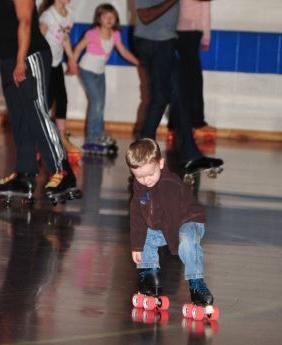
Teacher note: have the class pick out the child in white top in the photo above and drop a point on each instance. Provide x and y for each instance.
(99, 43)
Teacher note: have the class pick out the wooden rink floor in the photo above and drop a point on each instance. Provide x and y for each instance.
(66, 275)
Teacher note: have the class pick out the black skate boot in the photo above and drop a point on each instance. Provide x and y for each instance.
(212, 166)
(17, 185)
(200, 294)
(149, 281)
(62, 186)
(202, 163)
(149, 289)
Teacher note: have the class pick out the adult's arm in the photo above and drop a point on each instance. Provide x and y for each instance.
(149, 14)
(24, 9)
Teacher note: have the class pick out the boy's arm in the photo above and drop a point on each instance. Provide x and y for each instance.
(149, 14)
(138, 227)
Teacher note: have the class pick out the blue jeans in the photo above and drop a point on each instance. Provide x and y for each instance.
(95, 87)
(190, 251)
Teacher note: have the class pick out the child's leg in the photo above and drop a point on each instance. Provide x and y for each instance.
(190, 250)
(191, 254)
(150, 256)
(148, 269)
(95, 89)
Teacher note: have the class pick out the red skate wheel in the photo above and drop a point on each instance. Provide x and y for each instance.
(149, 316)
(187, 310)
(137, 315)
(214, 315)
(164, 303)
(137, 300)
(149, 303)
(198, 313)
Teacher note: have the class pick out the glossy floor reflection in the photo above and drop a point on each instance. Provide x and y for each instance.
(66, 275)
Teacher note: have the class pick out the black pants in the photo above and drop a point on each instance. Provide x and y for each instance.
(188, 46)
(57, 92)
(27, 107)
(162, 68)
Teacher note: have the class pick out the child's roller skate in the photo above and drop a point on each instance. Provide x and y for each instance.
(202, 302)
(104, 146)
(62, 187)
(17, 186)
(148, 296)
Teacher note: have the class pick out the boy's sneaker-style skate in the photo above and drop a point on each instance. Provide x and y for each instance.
(212, 166)
(202, 302)
(62, 187)
(148, 296)
(17, 186)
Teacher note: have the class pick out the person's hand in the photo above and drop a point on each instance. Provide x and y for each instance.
(19, 73)
(72, 68)
(136, 257)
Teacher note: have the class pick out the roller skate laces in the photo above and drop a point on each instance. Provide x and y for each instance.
(56, 179)
(200, 294)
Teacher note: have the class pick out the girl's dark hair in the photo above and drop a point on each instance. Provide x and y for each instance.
(45, 4)
(104, 8)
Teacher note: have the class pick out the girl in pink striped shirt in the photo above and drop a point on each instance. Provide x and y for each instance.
(99, 43)
(193, 34)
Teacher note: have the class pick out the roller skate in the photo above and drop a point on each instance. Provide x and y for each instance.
(104, 146)
(202, 302)
(62, 187)
(193, 168)
(73, 152)
(148, 296)
(17, 186)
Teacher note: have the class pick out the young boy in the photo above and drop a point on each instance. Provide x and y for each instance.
(163, 212)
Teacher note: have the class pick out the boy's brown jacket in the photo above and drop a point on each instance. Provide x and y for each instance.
(166, 206)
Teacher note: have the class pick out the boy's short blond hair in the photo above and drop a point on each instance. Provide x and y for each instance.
(141, 152)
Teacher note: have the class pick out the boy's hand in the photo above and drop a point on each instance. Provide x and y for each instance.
(136, 257)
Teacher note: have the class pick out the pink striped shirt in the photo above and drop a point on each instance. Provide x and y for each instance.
(194, 15)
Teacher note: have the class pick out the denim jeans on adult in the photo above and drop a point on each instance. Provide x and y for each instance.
(190, 251)
(95, 86)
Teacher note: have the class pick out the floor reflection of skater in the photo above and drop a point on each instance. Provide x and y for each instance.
(25, 70)
(39, 241)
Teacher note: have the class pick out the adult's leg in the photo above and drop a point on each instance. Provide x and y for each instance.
(42, 128)
(157, 58)
(94, 85)
(189, 53)
(181, 118)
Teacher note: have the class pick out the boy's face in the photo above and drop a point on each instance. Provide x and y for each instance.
(149, 174)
